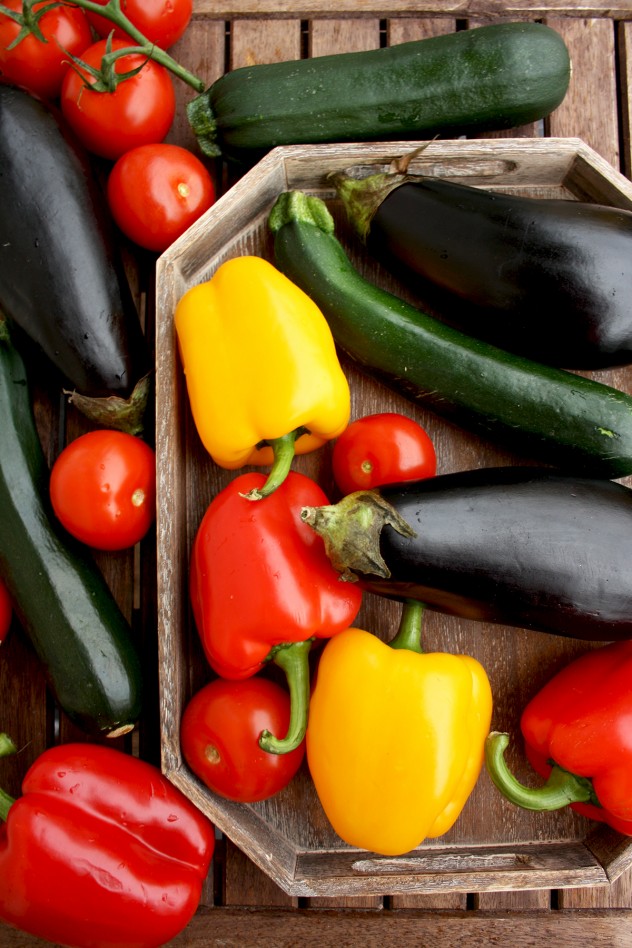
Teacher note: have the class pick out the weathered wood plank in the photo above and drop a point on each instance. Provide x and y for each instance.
(484, 9)
(589, 110)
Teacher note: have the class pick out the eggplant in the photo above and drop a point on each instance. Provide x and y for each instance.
(520, 546)
(546, 279)
(62, 280)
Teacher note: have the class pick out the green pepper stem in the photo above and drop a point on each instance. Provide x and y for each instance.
(561, 788)
(112, 11)
(283, 449)
(293, 659)
(408, 635)
(6, 802)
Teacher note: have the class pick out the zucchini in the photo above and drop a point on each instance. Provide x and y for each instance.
(63, 603)
(524, 547)
(548, 279)
(551, 415)
(492, 77)
(61, 274)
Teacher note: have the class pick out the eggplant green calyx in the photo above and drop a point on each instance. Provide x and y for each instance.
(351, 532)
(7, 747)
(283, 450)
(296, 206)
(561, 789)
(293, 658)
(362, 197)
(113, 411)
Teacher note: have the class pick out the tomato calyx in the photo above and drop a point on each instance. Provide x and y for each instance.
(28, 20)
(106, 79)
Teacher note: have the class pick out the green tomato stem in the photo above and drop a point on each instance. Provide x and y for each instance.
(112, 11)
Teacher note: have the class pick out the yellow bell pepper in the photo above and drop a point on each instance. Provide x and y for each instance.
(396, 737)
(262, 372)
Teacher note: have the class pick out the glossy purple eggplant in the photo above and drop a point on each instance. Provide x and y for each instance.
(61, 275)
(547, 279)
(519, 546)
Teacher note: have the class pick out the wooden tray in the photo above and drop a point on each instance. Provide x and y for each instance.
(493, 845)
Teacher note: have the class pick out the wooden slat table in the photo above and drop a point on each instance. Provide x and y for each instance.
(241, 906)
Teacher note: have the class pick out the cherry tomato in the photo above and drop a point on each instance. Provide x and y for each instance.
(40, 67)
(382, 449)
(220, 731)
(6, 612)
(156, 192)
(140, 110)
(160, 21)
(103, 489)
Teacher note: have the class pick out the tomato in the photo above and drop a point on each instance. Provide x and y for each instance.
(160, 21)
(6, 612)
(41, 67)
(156, 192)
(140, 110)
(220, 731)
(382, 449)
(103, 489)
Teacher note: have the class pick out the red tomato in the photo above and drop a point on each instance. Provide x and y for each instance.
(140, 110)
(160, 21)
(6, 612)
(220, 731)
(156, 192)
(103, 489)
(382, 449)
(41, 67)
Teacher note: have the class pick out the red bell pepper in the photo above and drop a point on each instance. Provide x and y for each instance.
(262, 589)
(578, 735)
(100, 850)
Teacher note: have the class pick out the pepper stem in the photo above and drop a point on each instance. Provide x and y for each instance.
(284, 450)
(408, 635)
(7, 747)
(561, 788)
(293, 659)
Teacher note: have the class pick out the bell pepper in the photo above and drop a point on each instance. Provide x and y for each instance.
(395, 736)
(262, 373)
(262, 589)
(100, 850)
(577, 733)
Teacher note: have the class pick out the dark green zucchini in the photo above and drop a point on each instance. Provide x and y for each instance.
(519, 546)
(548, 279)
(63, 603)
(544, 413)
(61, 274)
(493, 77)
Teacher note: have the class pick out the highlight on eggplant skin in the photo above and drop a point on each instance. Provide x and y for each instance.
(62, 280)
(523, 547)
(548, 279)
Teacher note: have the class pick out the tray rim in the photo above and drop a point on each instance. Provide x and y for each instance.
(597, 860)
